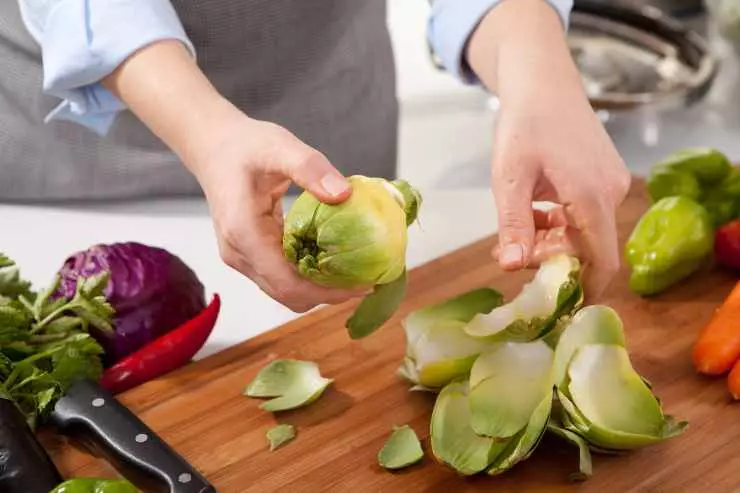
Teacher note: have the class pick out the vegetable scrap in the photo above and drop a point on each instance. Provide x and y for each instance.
(290, 383)
(280, 435)
(402, 449)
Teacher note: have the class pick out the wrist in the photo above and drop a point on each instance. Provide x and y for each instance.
(520, 50)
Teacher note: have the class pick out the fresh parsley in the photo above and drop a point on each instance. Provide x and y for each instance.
(45, 344)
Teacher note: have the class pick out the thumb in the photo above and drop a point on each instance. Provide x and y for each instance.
(513, 196)
(312, 171)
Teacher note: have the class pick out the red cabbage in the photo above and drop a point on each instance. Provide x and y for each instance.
(152, 290)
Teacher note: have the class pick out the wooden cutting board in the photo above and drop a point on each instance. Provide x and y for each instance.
(201, 412)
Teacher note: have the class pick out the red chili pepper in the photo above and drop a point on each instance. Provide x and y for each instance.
(727, 245)
(166, 353)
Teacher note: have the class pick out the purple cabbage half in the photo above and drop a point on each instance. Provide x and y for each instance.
(151, 290)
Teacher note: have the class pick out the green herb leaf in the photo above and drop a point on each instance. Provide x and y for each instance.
(11, 283)
(77, 357)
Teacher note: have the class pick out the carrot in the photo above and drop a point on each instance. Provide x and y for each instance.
(718, 347)
(733, 381)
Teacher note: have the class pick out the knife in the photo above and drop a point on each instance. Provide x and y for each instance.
(91, 415)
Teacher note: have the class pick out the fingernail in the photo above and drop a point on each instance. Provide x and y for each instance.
(511, 254)
(334, 185)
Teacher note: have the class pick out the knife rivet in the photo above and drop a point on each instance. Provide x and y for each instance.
(99, 402)
(141, 438)
(184, 478)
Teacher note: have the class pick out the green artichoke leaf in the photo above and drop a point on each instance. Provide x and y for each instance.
(438, 350)
(377, 308)
(585, 467)
(402, 449)
(596, 324)
(454, 442)
(522, 446)
(292, 383)
(280, 435)
(610, 404)
(507, 383)
(555, 291)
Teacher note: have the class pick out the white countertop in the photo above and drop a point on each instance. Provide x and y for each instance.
(40, 238)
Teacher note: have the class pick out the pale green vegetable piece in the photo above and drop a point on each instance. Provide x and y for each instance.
(609, 404)
(402, 449)
(585, 467)
(596, 324)
(522, 446)
(554, 291)
(377, 308)
(453, 440)
(280, 435)
(293, 383)
(437, 348)
(507, 384)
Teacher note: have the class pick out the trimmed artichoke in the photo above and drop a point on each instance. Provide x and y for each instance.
(555, 291)
(437, 348)
(360, 243)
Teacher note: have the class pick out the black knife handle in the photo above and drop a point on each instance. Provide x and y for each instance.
(92, 414)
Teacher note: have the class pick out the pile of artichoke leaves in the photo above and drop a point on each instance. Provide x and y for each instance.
(508, 373)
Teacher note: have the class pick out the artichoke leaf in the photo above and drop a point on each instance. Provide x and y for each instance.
(524, 444)
(596, 324)
(377, 308)
(402, 449)
(585, 467)
(555, 291)
(609, 401)
(507, 384)
(454, 442)
(292, 383)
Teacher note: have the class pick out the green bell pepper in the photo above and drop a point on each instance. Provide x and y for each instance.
(94, 485)
(722, 207)
(670, 242)
(708, 166)
(665, 182)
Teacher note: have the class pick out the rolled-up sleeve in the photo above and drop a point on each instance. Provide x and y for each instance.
(452, 22)
(83, 41)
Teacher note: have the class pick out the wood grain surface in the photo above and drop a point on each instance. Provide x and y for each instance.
(201, 412)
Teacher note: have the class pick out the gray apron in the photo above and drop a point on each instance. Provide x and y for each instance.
(323, 69)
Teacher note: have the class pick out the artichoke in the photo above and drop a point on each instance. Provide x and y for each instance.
(360, 243)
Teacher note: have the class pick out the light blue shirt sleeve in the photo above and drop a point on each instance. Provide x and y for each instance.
(452, 22)
(83, 41)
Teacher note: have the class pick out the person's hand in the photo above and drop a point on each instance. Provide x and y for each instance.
(245, 173)
(555, 149)
(549, 146)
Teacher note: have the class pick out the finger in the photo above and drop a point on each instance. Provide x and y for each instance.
(549, 219)
(551, 242)
(312, 171)
(512, 189)
(597, 243)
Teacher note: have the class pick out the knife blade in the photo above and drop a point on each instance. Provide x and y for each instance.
(91, 415)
